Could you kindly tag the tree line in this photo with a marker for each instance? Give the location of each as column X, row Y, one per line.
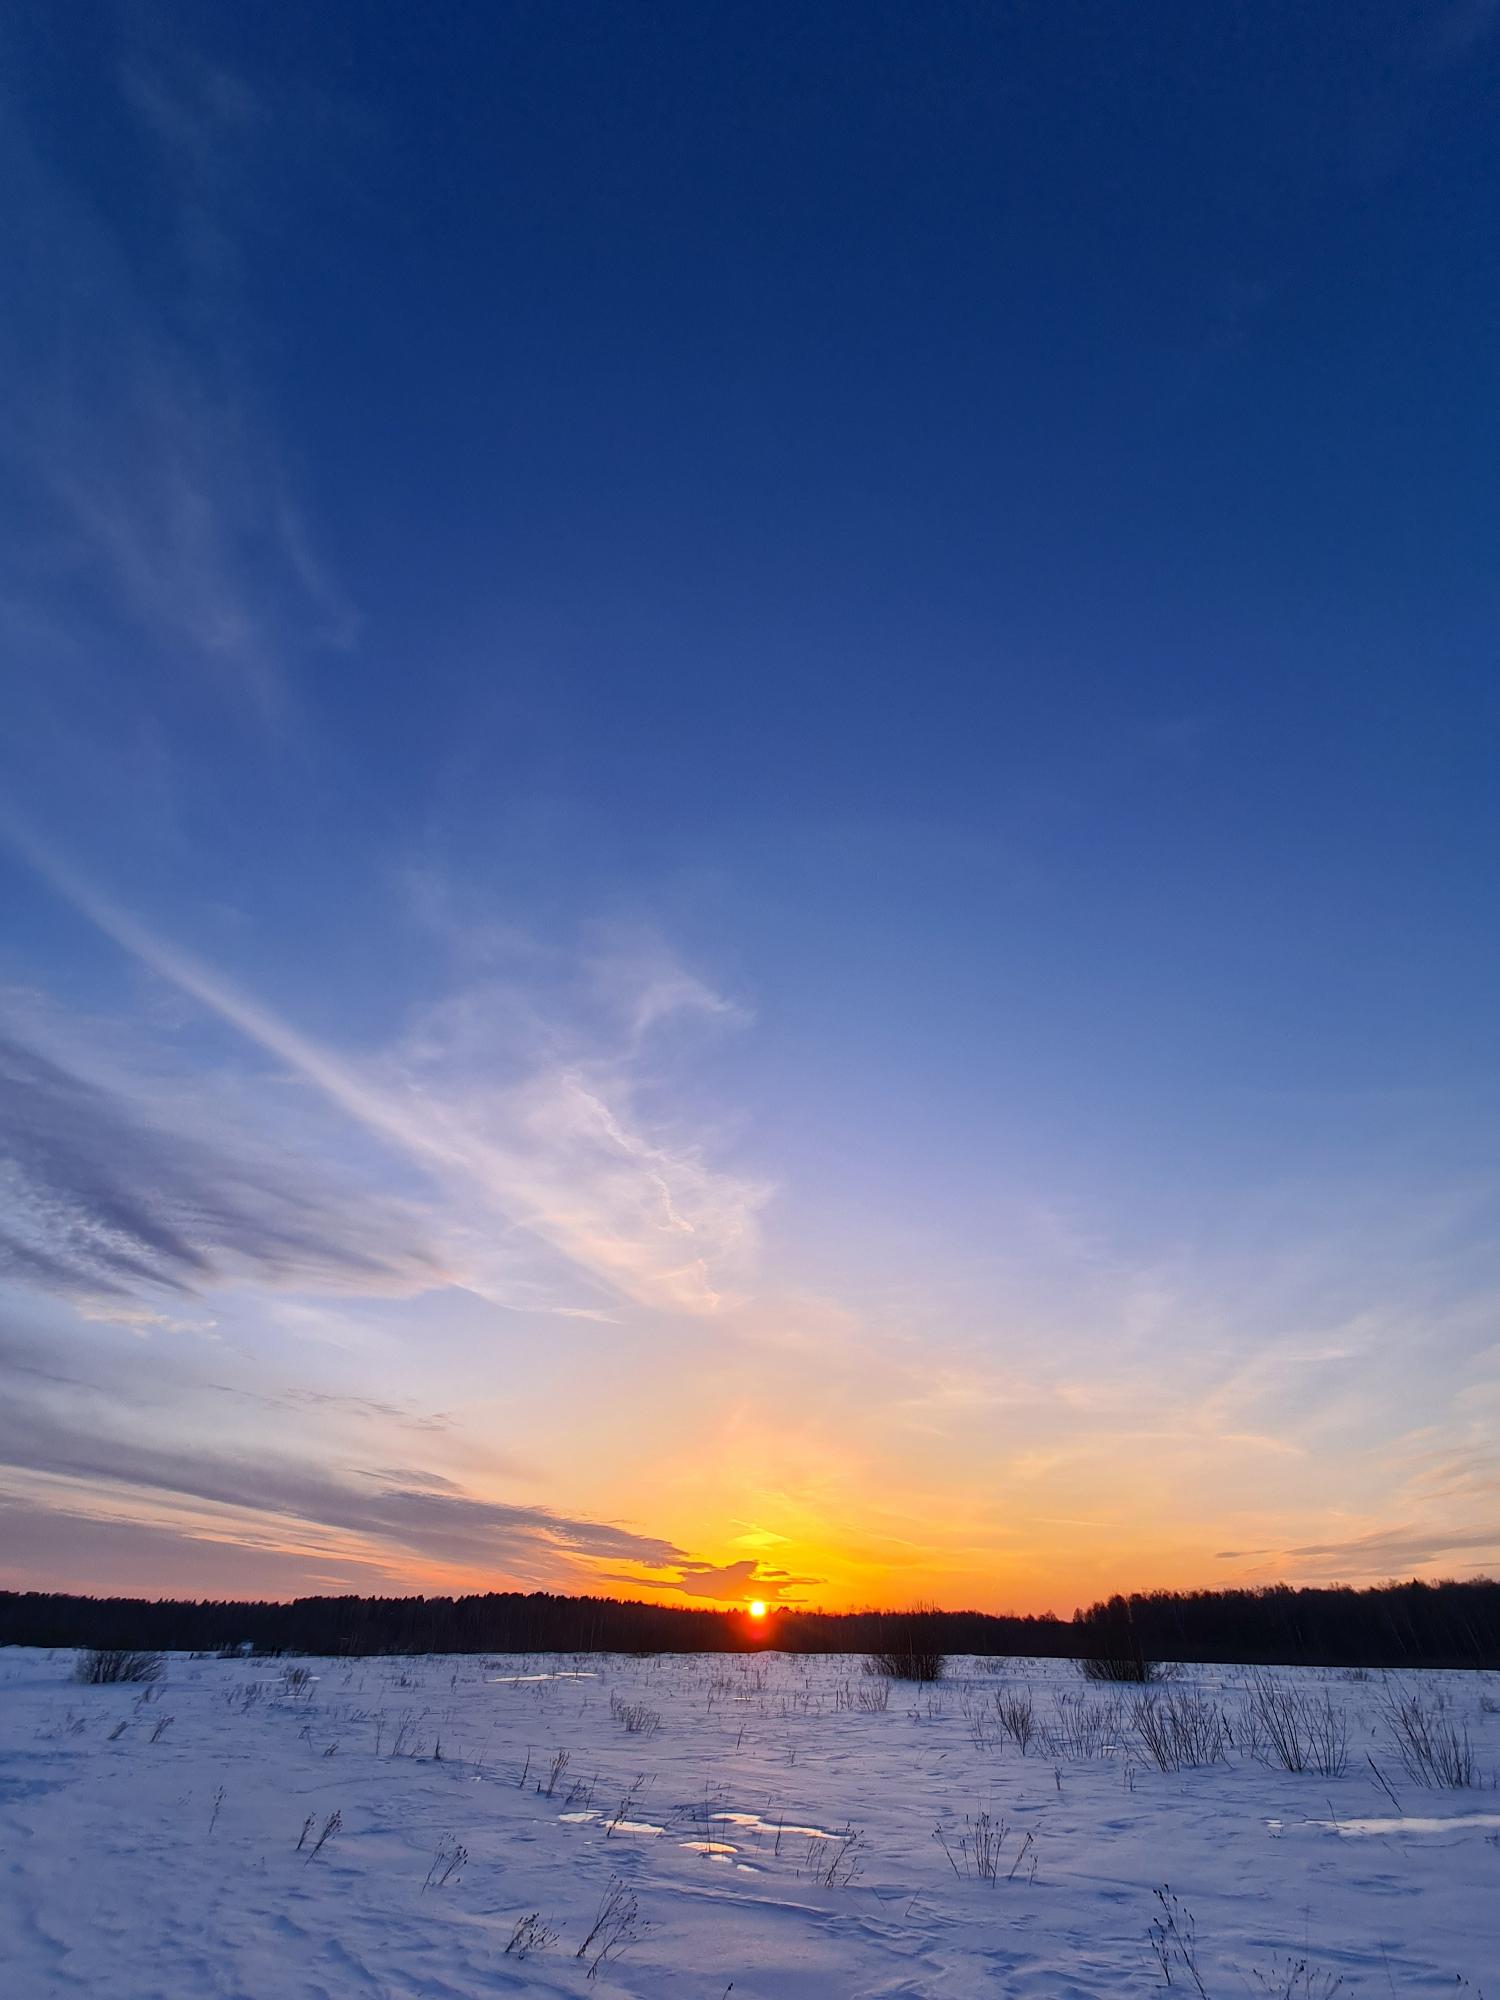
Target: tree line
column 1389, row 1625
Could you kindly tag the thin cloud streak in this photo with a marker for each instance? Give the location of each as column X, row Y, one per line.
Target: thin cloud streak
column 144, row 457
column 400, row 1511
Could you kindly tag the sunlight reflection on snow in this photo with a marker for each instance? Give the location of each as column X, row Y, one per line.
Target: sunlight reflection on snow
column 515, row 1680
column 1413, row 1823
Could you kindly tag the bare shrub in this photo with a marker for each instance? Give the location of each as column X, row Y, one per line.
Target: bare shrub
column 1128, row 1667
column 834, row 1863
column 628, row 1807
column 616, row 1925
column 332, row 1825
column 979, row 1848
column 1299, row 1733
column 910, row 1648
column 989, row 1839
column 1174, row 1940
column 1017, row 1718
column 1109, row 1646
column 581, row 1792
column 529, row 1935
column 100, row 1666
column 1180, row 1732
column 1433, row 1750
column 447, row 1862
column 556, row 1772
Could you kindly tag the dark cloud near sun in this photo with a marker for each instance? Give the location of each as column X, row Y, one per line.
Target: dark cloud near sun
column 727, row 1583
column 101, row 1200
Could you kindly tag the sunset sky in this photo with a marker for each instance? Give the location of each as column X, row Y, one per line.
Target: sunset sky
column 748, row 799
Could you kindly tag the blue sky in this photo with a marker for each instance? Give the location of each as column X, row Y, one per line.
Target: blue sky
column 750, row 804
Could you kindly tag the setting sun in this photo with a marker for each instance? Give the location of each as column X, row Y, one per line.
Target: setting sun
column 757, row 1609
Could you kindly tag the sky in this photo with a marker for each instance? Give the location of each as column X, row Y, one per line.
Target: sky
column 748, row 809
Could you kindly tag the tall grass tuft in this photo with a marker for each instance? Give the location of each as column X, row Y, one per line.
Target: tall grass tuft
column 635, row 1717
column 1180, row 1732
column 1433, row 1751
column 1083, row 1727
column 1286, row 1726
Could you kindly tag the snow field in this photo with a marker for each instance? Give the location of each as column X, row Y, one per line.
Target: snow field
column 765, row 1825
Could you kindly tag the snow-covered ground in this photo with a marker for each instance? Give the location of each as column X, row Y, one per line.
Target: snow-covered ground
column 762, row 1828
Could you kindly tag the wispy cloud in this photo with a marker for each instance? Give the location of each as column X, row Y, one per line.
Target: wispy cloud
column 103, row 1199
column 553, row 1151
column 377, row 1409
column 145, row 465
column 644, row 979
